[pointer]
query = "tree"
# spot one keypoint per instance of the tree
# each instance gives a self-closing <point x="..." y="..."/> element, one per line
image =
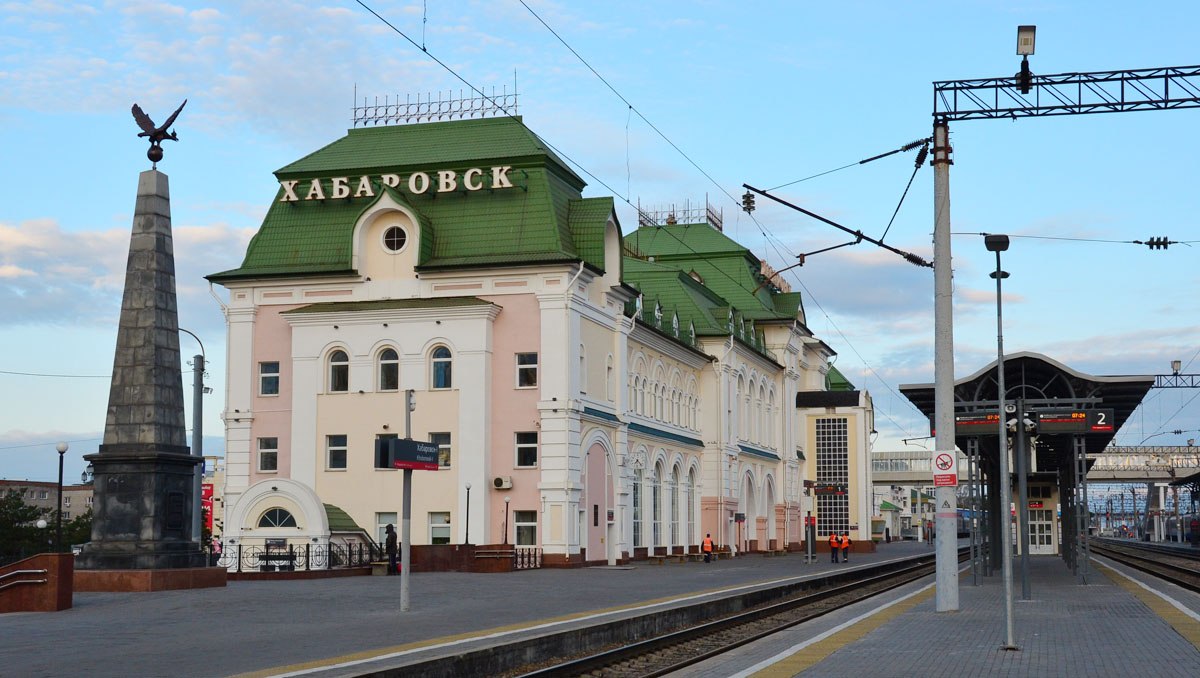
<point x="19" y="533"/>
<point x="78" y="530"/>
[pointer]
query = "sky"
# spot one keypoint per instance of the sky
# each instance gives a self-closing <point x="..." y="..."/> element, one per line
<point x="691" y="101"/>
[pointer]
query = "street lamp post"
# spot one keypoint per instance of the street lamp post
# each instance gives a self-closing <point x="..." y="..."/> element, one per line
<point x="506" y="499"/>
<point x="62" y="449"/>
<point x="998" y="244"/>
<point x="467" y="530"/>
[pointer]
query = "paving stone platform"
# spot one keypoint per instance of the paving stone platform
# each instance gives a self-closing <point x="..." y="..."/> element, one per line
<point x="276" y="627"/>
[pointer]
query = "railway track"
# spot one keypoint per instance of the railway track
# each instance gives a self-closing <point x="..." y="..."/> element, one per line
<point x="1180" y="568"/>
<point x="675" y="651"/>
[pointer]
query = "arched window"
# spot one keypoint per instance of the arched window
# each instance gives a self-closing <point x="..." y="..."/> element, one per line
<point x="656" y="504"/>
<point x="637" y="508"/>
<point x="277" y="517"/>
<point x="339" y="372"/>
<point x="389" y="370"/>
<point x="441" y="364"/>
<point x="674" y="488"/>
<point x="690" y="534"/>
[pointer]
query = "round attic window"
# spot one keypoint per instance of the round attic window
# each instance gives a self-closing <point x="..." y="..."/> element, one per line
<point x="394" y="239"/>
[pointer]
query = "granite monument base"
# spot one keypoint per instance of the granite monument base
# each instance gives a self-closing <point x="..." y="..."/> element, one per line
<point x="143" y="509"/>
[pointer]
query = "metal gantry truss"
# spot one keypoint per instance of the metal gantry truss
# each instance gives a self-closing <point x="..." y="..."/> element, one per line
<point x="1069" y="94"/>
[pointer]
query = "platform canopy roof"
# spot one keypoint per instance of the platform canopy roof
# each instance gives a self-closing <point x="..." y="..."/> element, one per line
<point x="1036" y="377"/>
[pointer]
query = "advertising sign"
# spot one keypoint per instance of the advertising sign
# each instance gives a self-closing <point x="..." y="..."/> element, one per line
<point x="206" y="503"/>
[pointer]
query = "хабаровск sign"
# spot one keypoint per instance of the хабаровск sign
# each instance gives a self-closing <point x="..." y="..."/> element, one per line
<point x="418" y="182"/>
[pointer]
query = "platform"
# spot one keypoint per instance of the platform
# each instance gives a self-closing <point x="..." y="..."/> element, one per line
<point x="345" y="626"/>
<point x="1110" y="627"/>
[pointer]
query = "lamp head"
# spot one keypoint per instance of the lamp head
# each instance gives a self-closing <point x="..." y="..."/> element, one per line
<point x="62" y="447"/>
<point x="506" y="500"/>
<point x="468" y="486"/>
<point x="995" y="242"/>
<point x="1176" y="365"/>
<point x="1025" y="39"/>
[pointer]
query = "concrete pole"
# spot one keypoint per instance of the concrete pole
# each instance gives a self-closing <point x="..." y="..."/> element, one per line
<point x="946" y="510"/>
<point x="406" y="516"/>
<point x="1003" y="515"/>
<point x="198" y="444"/>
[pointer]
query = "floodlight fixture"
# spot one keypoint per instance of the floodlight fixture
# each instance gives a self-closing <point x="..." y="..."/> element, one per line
<point x="1025" y="40"/>
<point x="996" y="242"/>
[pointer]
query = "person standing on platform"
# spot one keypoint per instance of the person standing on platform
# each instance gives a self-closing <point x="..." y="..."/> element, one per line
<point x="845" y="544"/>
<point x="835" y="545"/>
<point x="707" y="547"/>
<point x="391" y="545"/>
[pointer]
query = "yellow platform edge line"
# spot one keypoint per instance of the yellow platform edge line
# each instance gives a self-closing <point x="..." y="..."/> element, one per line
<point x="380" y="652"/>
<point x="1184" y="625"/>
<point x="813" y="654"/>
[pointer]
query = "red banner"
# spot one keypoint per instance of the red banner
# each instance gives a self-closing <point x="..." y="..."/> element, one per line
<point x="206" y="504"/>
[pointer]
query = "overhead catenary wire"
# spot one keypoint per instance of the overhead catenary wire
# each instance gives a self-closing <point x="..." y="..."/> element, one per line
<point x="625" y="198"/>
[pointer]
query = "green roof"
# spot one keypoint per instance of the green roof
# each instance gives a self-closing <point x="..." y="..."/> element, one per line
<point x="886" y="505"/>
<point x="388" y="304"/>
<point x="836" y="381"/>
<point x="726" y="267"/>
<point x="340" y="521"/>
<point x="542" y="219"/>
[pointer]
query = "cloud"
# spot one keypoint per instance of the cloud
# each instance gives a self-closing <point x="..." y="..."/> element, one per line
<point x="53" y="276"/>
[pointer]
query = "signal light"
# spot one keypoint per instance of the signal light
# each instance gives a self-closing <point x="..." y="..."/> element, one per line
<point x="748" y="202"/>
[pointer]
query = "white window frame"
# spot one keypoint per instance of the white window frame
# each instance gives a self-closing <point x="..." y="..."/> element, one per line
<point x="525" y="525"/>
<point x="390" y="364"/>
<point x="445" y="448"/>
<point x="439" y="527"/>
<point x="526" y="368"/>
<point x="264" y="377"/>
<point x="518" y="446"/>
<point x="330" y="447"/>
<point x="331" y="365"/>
<point x="382" y="520"/>
<point x="263" y="452"/>
<point x="433" y="367"/>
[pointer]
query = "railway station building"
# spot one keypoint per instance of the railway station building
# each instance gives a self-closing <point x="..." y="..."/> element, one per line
<point x="596" y="396"/>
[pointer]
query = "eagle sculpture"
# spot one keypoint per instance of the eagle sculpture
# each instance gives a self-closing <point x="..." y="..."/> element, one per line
<point x="157" y="134"/>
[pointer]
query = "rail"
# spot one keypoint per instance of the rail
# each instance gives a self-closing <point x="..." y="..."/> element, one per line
<point x="1178" y="566"/>
<point x="15" y="573"/>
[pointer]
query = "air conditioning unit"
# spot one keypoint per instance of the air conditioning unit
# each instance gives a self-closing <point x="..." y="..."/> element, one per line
<point x="502" y="482"/>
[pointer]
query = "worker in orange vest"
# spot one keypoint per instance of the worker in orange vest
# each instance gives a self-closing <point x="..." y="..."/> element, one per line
<point x="845" y="544"/>
<point x="707" y="547"/>
<point x="835" y="544"/>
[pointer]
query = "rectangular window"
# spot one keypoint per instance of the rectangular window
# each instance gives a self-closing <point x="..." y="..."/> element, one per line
<point x="66" y="502"/>
<point x="268" y="454"/>
<point x="335" y="452"/>
<point x="526" y="527"/>
<point x="382" y="520"/>
<point x="442" y="440"/>
<point x="268" y="379"/>
<point x="380" y="461"/>
<point x="89" y="500"/>
<point x="44" y="494"/>
<point x="527" y="448"/>
<point x="527" y="370"/>
<point x="439" y="527"/>
<point x="833" y="469"/>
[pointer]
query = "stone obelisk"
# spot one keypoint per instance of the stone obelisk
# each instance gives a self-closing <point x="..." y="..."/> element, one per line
<point x="144" y="490"/>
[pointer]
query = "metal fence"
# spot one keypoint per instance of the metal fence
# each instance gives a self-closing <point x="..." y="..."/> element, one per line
<point x="527" y="559"/>
<point x="241" y="558"/>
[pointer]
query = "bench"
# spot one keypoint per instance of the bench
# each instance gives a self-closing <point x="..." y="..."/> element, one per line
<point x="276" y="562"/>
<point x="777" y="552"/>
<point x="696" y="557"/>
<point x="656" y="560"/>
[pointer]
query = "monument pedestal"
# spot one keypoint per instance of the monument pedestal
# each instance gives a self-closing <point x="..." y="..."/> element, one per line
<point x="143" y="513"/>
